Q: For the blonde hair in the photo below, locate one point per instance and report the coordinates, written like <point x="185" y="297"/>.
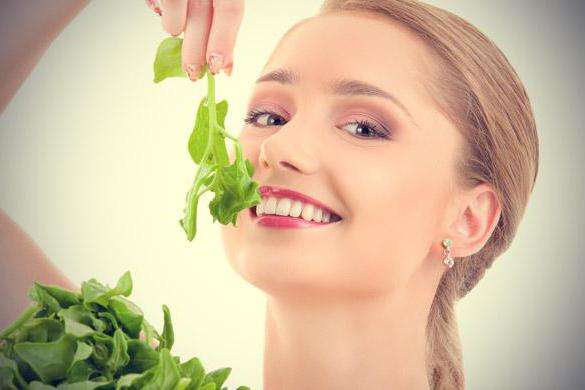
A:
<point x="477" y="88"/>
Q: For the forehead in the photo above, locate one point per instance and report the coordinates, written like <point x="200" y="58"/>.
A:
<point x="358" y="45"/>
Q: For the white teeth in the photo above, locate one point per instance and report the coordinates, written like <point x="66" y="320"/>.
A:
<point x="283" y="206"/>
<point x="308" y="211"/>
<point x="270" y="206"/>
<point x="296" y="208"/>
<point x="318" y="215"/>
<point x="260" y="208"/>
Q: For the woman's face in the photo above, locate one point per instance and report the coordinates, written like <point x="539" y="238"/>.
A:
<point x="391" y="192"/>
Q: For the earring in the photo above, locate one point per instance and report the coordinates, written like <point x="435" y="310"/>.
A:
<point x="447" y="260"/>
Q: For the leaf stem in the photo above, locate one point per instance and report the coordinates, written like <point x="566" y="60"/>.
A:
<point x="226" y="134"/>
<point x="28" y="313"/>
<point x="189" y="213"/>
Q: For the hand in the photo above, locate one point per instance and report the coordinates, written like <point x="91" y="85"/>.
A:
<point x="210" y="29"/>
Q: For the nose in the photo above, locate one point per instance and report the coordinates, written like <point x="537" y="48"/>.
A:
<point x="289" y="150"/>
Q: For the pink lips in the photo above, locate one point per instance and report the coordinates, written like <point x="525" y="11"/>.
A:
<point x="278" y="221"/>
<point x="286" y="193"/>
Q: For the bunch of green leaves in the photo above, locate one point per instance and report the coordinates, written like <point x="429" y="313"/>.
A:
<point x="91" y="340"/>
<point x="231" y="182"/>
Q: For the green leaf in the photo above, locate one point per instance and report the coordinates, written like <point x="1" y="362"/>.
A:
<point x="188" y="223"/>
<point x="36" y="385"/>
<point x="218" y="376"/>
<point x="238" y="191"/>
<point x="167" y="62"/>
<point x="80" y="369"/>
<point x="166" y="374"/>
<point x="182" y="384"/>
<point x="219" y="149"/>
<point x="7" y="379"/>
<point x="9" y="374"/>
<point x="65" y="298"/>
<point x="123" y="287"/>
<point x="50" y="361"/>
<point x="40" y="295"/>
<point x="119" y="357"/>
<point x="135" y="381"/>
<point x="102" y="347"/>
<point x="168" y="335"/>
<point x="95" y="345"/>
<point x="193" y="369"/>
<point x="126" y="381"/>
<point x="129" y="315"/>
<point x="93" y="292"/>
<point x="40" y="330"/>
<point x="148" y="331"/>
<point x="78" y="320"/>
<point x="85" y="385"/>
<point x="110" y="320"/>
<point x="142" y="356"/>
<point x="200" y="135"/>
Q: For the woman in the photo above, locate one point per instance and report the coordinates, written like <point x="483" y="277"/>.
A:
<point x="412" y="127"/>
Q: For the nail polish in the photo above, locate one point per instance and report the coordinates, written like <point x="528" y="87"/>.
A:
<point x="215" y="62"/>
<point x="192" y="70"/>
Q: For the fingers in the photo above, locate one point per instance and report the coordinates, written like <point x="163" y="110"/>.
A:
<point x="199" y="14"/>
<point x="227" y="17"/>
<point x="174" y="16"/>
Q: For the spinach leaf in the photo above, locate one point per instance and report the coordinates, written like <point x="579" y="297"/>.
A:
<point x="90" y="340"/>
<point x="231" y="182"/>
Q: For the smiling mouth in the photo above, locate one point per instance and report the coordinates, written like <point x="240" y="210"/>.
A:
<point x="254" y="215"/>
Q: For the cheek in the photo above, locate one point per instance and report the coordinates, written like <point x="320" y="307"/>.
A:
<point x="395" y="210"/>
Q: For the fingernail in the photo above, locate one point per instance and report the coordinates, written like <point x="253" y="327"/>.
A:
<point x="192" y="70"/>
<point x="228" y="69"/>
<point x="215" y="62"/>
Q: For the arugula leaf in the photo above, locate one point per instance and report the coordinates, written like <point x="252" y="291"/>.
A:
<point x="231" y="182"/>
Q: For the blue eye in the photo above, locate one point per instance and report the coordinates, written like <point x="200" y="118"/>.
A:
<point x="273" y="119"/>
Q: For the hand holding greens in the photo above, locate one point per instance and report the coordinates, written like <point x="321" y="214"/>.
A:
<point x="231" y="182"/>
<point x="89" y="340"/>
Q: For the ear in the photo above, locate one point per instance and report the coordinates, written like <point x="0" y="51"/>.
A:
<point x="477" y="214"/>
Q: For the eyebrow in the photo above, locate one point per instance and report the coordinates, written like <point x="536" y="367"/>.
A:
<point x="339" y="87"/>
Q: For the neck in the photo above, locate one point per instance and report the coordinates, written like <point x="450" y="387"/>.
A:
<point x="375" y="343"/>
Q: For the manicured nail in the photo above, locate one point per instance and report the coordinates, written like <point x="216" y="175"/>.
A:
<point x="192" y="70"/>
<point x="215" y="62"/>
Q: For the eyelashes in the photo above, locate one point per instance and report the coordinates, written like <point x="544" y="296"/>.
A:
<point x="375" y="130"/>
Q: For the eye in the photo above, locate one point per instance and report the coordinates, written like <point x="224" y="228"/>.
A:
<point x="252" y="118"/>
<point x="366" y="127"/>
<point x="361" y="126"/>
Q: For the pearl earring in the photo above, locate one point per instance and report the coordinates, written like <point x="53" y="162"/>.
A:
<point x="447" y="260"/>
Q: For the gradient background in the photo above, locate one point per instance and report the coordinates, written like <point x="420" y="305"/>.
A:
<point x="94" y="166"/>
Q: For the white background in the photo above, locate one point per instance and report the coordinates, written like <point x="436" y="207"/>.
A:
<point x="94" y="166"/>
